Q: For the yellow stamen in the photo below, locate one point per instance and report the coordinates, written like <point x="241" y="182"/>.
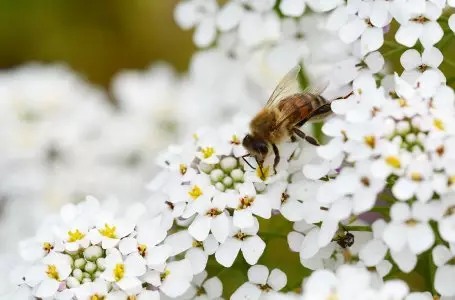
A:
<point x="47" y="247"/>
<point x="75" y="236"/>
<point x="393" y="161"/>
<point x="52" y="272"/>
<point x="416" y="176"/>
<point x="235" y="140"/>
<point x="195" y="192"/>
<point x="142" y="249"/>
<point x="402" y="102"/>
<point x="263" y="172"/>
<point x="119" y="271"/>
<point x="438" y="124"/>
<point x="451" y="180"/>
<point x="183" y="168"/>
<point x="246" y="202"/>
<point x="370" y="141"/>
<point x="207" y="151"/>
<point x="108" y="231"/>
<point x="97" y="297"/>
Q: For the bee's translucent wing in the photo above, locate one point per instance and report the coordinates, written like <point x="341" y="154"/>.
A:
<point x="289" y="85"/>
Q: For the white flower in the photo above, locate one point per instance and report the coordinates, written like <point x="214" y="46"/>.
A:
<point x="203" y="288"/>
<point x="414" y="64"/>
<point x="442" y="257"/>
<point x="374" y="251"/>
<point x="124" y="272"/>
<point x="246" y="204"/>
<point x="260" y="282"/>
<point x="90" y="290"/>
<point x="109" y="232"/>
<point x="360" y="25"/>
<point x="47" y="276"/>
<point x="409" y="227"/>
<point x="420" y="24"/>
<point x="211" y="218"/>
<point x="174" y="280"/>
<point x="245" y="240"/>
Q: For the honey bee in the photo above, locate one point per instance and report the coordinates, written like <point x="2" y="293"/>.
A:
<point x="285" y="112"/>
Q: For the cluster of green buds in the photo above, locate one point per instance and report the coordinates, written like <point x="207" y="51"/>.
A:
<point x="225" y="175"/>
<point x="88" y="264"/>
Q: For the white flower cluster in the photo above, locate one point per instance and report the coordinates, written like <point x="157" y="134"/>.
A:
<point x="389" y="149"/>
<point x="89" y="252"/>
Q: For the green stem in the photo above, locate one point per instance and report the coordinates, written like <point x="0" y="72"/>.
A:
<point x="392" y="52"/>
<point x="450" y="80"/>
<point x="386" y="197"/>
<point x="357" y="228"/>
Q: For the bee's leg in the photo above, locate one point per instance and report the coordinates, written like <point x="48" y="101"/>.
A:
<point x="307" y="138"/>
<point x="345" y="97"/>
<point x="293" y="138"/>
<point x="277" y="157"/>
<point x="321" y="110"/>
<point x="243" y="157"/>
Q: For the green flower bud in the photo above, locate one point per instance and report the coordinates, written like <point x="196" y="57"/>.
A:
<point x="90" y="267"/>
<point x="228" y="164"/>
<point x="77" y="273"/>
<point x="79" y="263"/>
<point x="72" y="282"/>
<point x="237" y="175"/>
<point x="216" y="175"/>
<point x="92" y="253"/>
<point x="219" y="186"/>
<point x="227" y="181"/>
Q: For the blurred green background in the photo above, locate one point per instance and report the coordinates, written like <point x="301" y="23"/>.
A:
<point x="95" y="37"/>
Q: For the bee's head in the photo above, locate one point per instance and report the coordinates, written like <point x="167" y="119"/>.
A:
<point x="255" y="146"/>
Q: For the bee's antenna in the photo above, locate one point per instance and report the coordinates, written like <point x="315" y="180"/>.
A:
<point x="243" y="157"/>
<point x="260" y="167"/>
<point x="345" y="96"/>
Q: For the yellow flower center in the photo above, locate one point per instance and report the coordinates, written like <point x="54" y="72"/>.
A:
<point x="393" y="161"/>
<point x="119" y="271"/>
<point x="263" y="173"/>
<point x="370" y="141"/>
<point x="52" y="272"/>
<point x="195" y="192"/>
<point x="438" y="124"/>
<point x="97" y="297"/>
<point x="142" y="249"/>
<point x="75" y="236"/>
<point x="183" y="168"/>
<point x="197" y="244"/>
<point x="47" y="247"/>
<point x="332" y="296"/>
<point x="246" y="202"/>
<point x="416" y="176"/>
<point x="108" y="231"/>
<point x="402" y="102"/>
<point x="207" y="151"/>
<point x="451" y="180"/>
<point x="131" y="298"/>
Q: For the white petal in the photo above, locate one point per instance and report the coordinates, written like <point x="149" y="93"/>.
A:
<point x="227" y="252"/>
<point x="408" y="34"/>
<point x="328" y="230"/>
<point x="229" y="16"/>
<point x="372" y="39"/>
<point x="205" y="33"/>
<point x="447" y="229"/>
<point x="129" y="284"/>
<point x="197" y="258"/>
<point x="373" y="252"/>
<point x="337" y="18"/>
<point x="379" y="14"/>
<point x="200" y="227"/>
<point x="441" y="254"/>
<point x="309" y="245"/>
<point x="295" y="240"/>
<point x="420" y="237"/>
<point x="404" y="189"/>
<point x="375" y="61"/>
<point x="405" y="259"/>
<point x="410" y="59"/>
<point x="452" y="22"/>
<point x="431" y="34"/>
<point x="47" y="288"/>
<point x="443" y="282"/>
<point x="158" y="255"/>
<point x="134" y="265"/>
<point x="352" y="30"/>
<point x="395" y="236"/>
<point x="246" y="291"/>
<point x="128" y="245"/>
<point x="243" y="218"/>
<point x="252" y="249"/>
<point x="277" y="279"/>
<point x="432" y="57"/>
<point x="292" y="8"/>
<point x="292" y="210"/>
<point x="213" y="287"/>
<point x="220" y="227"/>
<point x="261" y="207"/>
<point x="174" y="287"/>
<point x="179" y="241"/>
<point x="258" y="274"/>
